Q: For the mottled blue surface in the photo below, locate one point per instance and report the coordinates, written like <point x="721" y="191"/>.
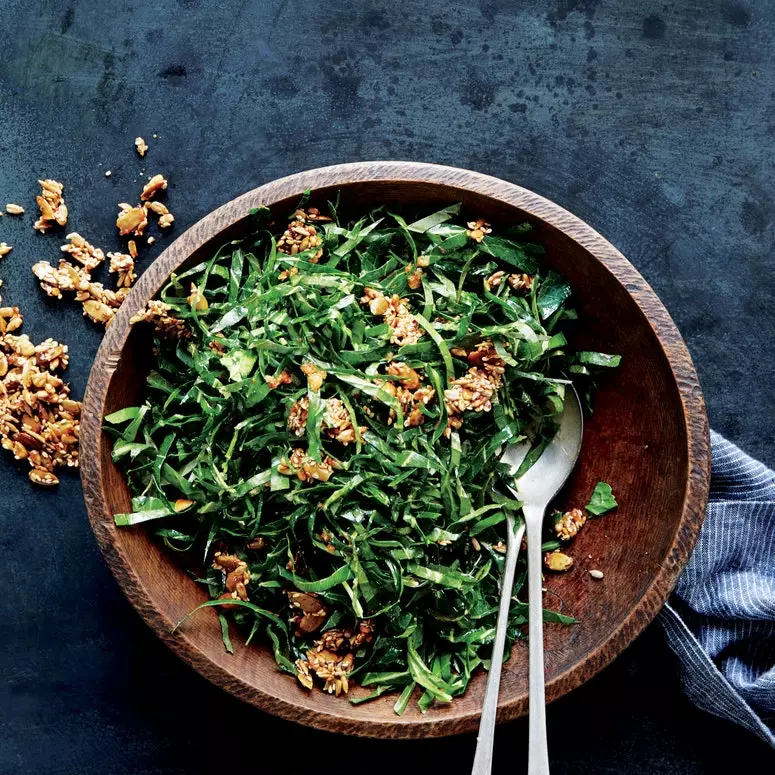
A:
<point x="652" y="121"/>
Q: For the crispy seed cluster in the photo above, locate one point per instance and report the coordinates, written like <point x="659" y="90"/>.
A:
<point x="519" y="282"/>
<point x="473" y="392"/>
<point x="99" y="303"/>
<point x="302" y="235"/>
<point x="569" y="524"/>
<point x="409" y="392"/>
<point x="333" y="657"/>
<point x="236" y="575"/>
<point x="53" y="210"/>
<point x="306" y="468"/>
<point x="141" y="146"/>
<point x="123" y="265"/>
<point x="478" y="229"/>
<point x="396" y="313"/>
<point x="133" y="219"/>
<point x="158" y="314"/>
<point x="337" y="423"/>
<point x="39" y="422"/>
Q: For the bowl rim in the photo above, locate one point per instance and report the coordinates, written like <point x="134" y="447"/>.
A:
<point x="510" y="194"/>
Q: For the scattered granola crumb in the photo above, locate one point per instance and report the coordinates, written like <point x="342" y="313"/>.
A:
<point x="557" y="561"/>
<point x="124" y="266"/>
<point x="151" y="240"/>
<point x="13" y="209"/>
<point x="569" y="524"/>
<point x="5" y="249"/>
<point x="53" y="210"/>
<point x="141" y="146"/>
<point x="83" y="252"/>
<point x="596" y="574"/>
<point x="131" y="220"/>
<point x="153" y="186"/>
<point x="108" y="173"/>
<point x="132" y="248"/>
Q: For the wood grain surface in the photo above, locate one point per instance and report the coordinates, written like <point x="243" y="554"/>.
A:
<point x="648" y="437"/>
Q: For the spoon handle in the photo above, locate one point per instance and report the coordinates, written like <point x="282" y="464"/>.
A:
<point x="538" y="758"/>
<point x="484" y="742"/>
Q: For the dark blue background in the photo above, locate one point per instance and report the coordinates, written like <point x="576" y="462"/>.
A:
<point x="653" y="121"/>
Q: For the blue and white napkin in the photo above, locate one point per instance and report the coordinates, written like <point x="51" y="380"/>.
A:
<point x="721" y="620"/>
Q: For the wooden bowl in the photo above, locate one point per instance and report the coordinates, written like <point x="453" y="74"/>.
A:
<point x="648" y="437"/>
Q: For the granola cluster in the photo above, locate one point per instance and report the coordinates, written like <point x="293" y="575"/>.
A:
<point x="39" y="422"/>
<point x="302" y="235"/>
<point x="569" y="524"/>
<point x="53" y="210"/>
<point x="337" y="423"/>
<point x="478" y="229"/>
<point x="158" y="314"/>
<point x="409" y="392"/>
<point x="473" y="392"/>
<point x="519" y="282"/>
<point x="396" y="313"/>
<point x="332" y="658"/>
<point x="99" y="303"/>
<point x="236" y="573"/>
<point x="133" y="219"/>
<point x="306" y="468"/>
<point x="566" y="527"/>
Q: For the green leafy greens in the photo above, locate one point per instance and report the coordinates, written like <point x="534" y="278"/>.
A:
<point x="602" y="500"/>
<point x="329" y="428"/>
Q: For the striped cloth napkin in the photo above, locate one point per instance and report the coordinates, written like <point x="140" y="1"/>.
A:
<point x="721" y="620"/>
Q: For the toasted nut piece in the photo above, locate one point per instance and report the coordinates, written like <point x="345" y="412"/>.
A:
<point x="42" y="477"/>
<point x="26" y="440"/>
<point x="98" y="311"/>
<point x="166" y="220"/>
<point x="315" y="376"/>
<point x="132" y="220"/>
<point x="181" y="504"/>
<point x="557" y="561"/>
<point x="13" y="209"/>
<point x="302" y="673"/>
<point x="596" y="574"/>
<point x="5" y="249"/>
<point x="141" y="146"/>
<point x="155" y="184"/>
<point x="196" y="299"/>
<point x="379" y="305"/>
<point x="158" y="207"/>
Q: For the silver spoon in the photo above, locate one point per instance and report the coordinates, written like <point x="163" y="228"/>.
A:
<point x="535" y="489"/>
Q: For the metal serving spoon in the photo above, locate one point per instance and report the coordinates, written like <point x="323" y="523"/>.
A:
<point x="535" y="489"/>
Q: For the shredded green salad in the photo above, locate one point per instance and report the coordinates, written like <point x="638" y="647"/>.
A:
<point x="322" y="433"/>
